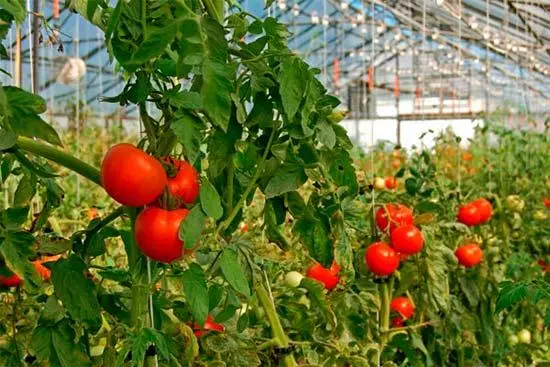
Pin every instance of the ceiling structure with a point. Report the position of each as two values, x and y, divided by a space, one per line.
496 50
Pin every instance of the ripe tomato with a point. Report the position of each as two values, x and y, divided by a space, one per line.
184 185
43 271
485 209
403 306
10 281
407 239
334 268
397 322
323 275
209 325
396 163
469 255
469 214
381 259
392 216
546 202
391 183
543 265
244 227
131 176
156 233
92 213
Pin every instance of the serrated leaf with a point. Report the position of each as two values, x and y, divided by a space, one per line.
76 291
188 131
191 228
216 91
286 179
326 134
15 249
26 189
7 139
315 235
145 338
196 292
292 87
15 8
319 299
233 271
186 99
210 200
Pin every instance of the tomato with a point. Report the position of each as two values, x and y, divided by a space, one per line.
334 268
244 227
485 209
398 214
381 259
293 279
131 176
379 183
403 306
524 336
92 213
515 203
407 239
323 275
469 214
156 233
209 325
543 265
10 281
397 322
513 340
396 164
467 156
546 202
184 185
469 255
391 183
42 270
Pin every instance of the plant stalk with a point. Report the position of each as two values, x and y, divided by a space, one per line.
59 157
280 339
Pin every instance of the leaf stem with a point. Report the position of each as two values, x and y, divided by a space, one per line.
251 185
59 157
149 128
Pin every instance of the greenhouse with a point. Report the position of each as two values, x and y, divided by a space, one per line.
275 183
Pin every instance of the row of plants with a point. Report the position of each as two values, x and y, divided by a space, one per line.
241 229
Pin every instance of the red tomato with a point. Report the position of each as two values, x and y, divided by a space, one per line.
209 325
546 202
399 215
469 255
485 209
543 265
156 233
184 185
10 281
321 274
391 183
43 271
407 239
469 214
403 306
131 176
397 322
396 164
244 227
92 213
381 259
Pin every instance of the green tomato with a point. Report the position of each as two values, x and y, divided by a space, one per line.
515 203
524 336
293 279
379 183
513 340
540 215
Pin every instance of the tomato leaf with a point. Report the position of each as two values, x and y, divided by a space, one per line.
286 179
76 291
26 189
188 132
15 248
210 200
326 134
196 292
143 339
57 346
216 91
191 227
292 86
233 271
315 235
7 139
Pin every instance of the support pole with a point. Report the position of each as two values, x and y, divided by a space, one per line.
35 42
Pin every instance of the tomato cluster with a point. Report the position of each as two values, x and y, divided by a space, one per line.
405 239
134 178
476 212
328 277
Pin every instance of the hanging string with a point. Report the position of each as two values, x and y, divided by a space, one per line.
100 63
459 73
77 108
29 38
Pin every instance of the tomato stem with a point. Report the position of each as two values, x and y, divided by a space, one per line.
60 157
280 339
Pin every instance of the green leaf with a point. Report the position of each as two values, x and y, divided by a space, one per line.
26 189
210 200
52 312
33 126
412 186
21 102
91 8
262 111
145 338
196 292
216 91
7 139
186 99
340 169
76 291
114 19
188 131
53 245
286 179
191 228
292 86
326 134
233 271
16 8
56 345
315 235
15 248
319 299
13 218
